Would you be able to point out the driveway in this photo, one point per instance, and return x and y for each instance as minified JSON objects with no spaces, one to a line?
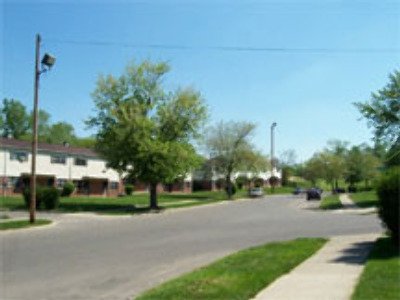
{"x":89,"y":257}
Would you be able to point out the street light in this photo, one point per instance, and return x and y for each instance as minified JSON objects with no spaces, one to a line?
{"x":272,"y":148}
{"x":47,"y":62}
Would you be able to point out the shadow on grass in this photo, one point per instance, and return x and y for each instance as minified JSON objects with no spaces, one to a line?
{"x":106,"y":208}
{"x":366,"y":203}
{"x":384,"y":249}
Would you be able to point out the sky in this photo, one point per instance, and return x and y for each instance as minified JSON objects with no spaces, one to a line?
{"x":301,"y":64}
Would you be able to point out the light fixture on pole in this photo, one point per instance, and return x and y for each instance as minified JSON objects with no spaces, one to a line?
{"x":272,"y":148}
{"x":47,"y":62}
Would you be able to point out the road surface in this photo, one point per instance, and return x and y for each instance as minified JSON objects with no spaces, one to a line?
{"x":102,"y":257}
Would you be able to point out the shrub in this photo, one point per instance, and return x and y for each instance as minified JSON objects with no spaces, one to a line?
{"x":258,"y":182}
{"x":49,"y":196}
{"x":273,"y":181}
{"x":67,"y":189}
{"x":241,"y":181}
{"x":129,"y":189}
{"x":388,"y":190}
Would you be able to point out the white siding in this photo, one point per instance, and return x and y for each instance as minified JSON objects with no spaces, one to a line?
{"x":95,"y":168}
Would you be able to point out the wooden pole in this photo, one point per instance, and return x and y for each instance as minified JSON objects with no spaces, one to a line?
{"x":32,"y":207}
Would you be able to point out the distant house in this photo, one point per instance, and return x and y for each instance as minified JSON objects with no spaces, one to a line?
{"x":55,"y":165}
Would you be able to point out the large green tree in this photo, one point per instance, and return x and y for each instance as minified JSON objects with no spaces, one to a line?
{"x":61,"y":132}
{"x":143,"y":130}
{"x":228,"y":144}
{"x":15,"y":121}
{"x":383,"y":113}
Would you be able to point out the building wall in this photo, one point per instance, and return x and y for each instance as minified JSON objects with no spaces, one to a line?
{"x":11,"y":170}
{"x":95,"y":167}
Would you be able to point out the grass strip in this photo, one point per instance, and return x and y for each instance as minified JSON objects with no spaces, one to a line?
{"x":137,"y":203}
{"x":238,"y":276}
{"x":381,"y":276}
{"x":331,"y":202}
{"x":18,"y":224}
{"x":365,"y":199}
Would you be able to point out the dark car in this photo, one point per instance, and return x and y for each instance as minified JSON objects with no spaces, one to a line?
{"x":314,"y":193}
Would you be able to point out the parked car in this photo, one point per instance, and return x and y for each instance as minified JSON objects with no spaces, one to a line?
{"x":314,"y":193}
{"x":256,"y":192}
{"x":298,"y":191}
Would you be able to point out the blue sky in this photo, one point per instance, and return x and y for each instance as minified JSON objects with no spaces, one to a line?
{"x":308,"y":93}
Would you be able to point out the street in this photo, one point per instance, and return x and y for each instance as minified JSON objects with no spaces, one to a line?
{"x":104,"y":257}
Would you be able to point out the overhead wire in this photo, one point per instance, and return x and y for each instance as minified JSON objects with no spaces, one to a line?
{"x":226,"y":48}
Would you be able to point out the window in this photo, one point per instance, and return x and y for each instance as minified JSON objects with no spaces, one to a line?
{"x":58,"y":159}
{"x":80,"y":162}
{"x":19,"y":155}
{"x":114,"y":185}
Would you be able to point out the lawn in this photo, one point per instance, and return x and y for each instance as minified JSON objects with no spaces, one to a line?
{"x":279,"y":190}
{"x":381,"y":276}
{"x":331,"y":202}
{"x":136,"y":203}
{"x":365,"y":199}
{"x":17,"y":224}
{"x":238,"y":276}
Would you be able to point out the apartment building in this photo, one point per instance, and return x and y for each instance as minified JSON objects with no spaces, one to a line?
{"x":55,"y":165}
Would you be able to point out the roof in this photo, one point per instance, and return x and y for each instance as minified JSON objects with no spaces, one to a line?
{"x":44,"y":147}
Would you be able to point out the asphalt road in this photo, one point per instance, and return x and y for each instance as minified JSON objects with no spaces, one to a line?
{"x":91,"y":257}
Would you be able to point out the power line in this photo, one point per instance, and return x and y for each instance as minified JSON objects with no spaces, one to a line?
{"x":226,"y":48}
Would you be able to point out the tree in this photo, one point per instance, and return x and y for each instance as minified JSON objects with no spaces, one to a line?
{"x":313,"y":169}
{"x":383,"y":113}
{"x":43,"y":124}
{"x":336,"y":154}
{"x":15,"y":121}
{"x":229,"y":146}
{"x":287,"y":161}
{"x":61,"y":132}
{"x":354,"y":168}
{"x":143,"y":130}
{"x":85,"y":142}
{"x":383,"y":110}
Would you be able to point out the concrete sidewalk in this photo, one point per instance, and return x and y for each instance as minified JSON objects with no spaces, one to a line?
{"x":350,"y":206}
{"x":331,"y":273}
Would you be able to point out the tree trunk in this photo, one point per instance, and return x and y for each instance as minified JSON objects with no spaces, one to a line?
{"x":229,"y":186}
{"x":153,"y":196}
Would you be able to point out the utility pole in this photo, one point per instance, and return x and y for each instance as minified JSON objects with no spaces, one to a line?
{"x":32,"y":207}
{"x":272,"y":148}
{"x":47,"y":62}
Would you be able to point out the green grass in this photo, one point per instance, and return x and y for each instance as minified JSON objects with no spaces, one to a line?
{"x":381,"y":276}
{"x":137,"y":203}
{"x":365,"y":199}
{"x":18,"y":224}
{"x":279,"y":190}
{"x":331,"y":202}
{"x":238,"y":276}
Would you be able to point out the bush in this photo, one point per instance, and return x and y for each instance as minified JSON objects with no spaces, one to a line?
{"x":273,"y":181}
{"x":241,"y":181}
{"x":258,"y":182}
{"x":388,"y":190}
{"x":129,"y":189}
{"x":67,"y":189}
{"x":49,"y":196}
